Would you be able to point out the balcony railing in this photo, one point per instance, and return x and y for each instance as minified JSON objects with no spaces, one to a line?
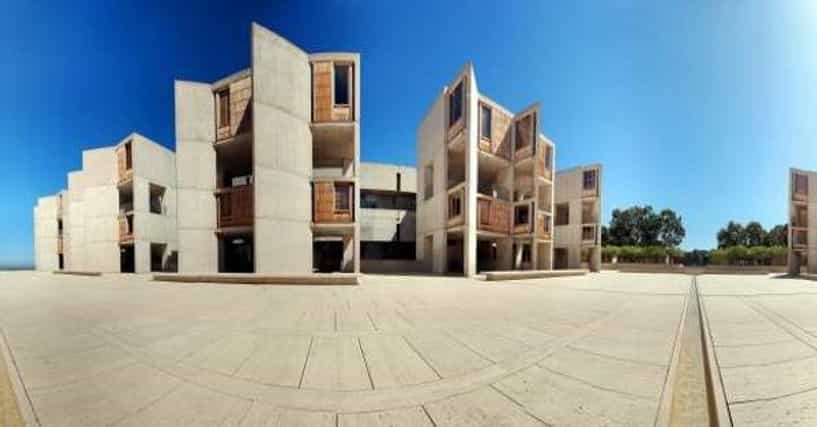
{"x":126,"y":227}
{"x":333,"y":203}
{"x":589,"y":234}
{"x":799,"y":238}
{"x":543,"y":227}
{"x":493,"y":214}
{"x":235,"y":206}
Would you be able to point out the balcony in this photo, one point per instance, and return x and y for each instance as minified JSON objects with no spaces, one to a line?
{"x":589,"y":213}
{"x":455,"y":207}
{"x":333,"y":88}
{"x":493,"y":214}
{"x":235,"y":206}
{"x":799,"y":238}
{"x":543,"y":230}
{"x":799,"y":188}
{"x":126,"y":228}
{"x":544,"y":161}
{"x":333,"y":203}
{"x":799,"y":218}
{"x":124,"y":162}
{"x":522,"y":220}
{"x":589,"y":234}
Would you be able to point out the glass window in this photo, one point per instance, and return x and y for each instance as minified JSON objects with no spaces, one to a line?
{"x":589,"y":179}
{"x":562,"y":214}
{"x":224,"y":108}
{"x":485,"y":122}
{"x":342,"y":86}
{"x":428,"y":182}
{"x":342,"y":197}
{"x":455,"y":105}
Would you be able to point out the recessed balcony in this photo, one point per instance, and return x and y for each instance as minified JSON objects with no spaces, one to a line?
{"x":234,"y":206}
{"x":493,"y":215}
{"x":333,"y":203}
{"x":126,"y":227}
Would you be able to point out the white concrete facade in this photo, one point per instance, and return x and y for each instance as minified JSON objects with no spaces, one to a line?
{"x":255,"y":154}
{"x":92,"y":215}
{"x":485,"y":184}
{"x":48,"y":233}
{"x":387,"y":218}
{"x":802,"y":221}
{"x":577,"y":226}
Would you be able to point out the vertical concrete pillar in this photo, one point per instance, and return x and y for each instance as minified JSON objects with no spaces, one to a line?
{"x":196,"y":178}
{"x":282,"y":154}
{"x":471,"y":173}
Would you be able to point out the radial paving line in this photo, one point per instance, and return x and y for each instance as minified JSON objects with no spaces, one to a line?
{"x":691,"y":398}
{"x":10,"y":412}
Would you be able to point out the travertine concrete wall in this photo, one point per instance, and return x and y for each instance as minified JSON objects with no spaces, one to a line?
{"x":196,"y":178}
{"x":74,"y":225}
{"x":431,"y":213}
{"x":471,"y":171}
{"x":811,"y":204}
{"x":282,"y":154}
{"x":101,"y":210}
{"x":381,"y":224}
{"x":46,"y":234}
{"x":383,"y":177}
{"x":153,"y":164}
{"x":568,"y":186}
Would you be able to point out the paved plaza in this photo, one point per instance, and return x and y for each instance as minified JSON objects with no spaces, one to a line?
{"x":400,"y":351}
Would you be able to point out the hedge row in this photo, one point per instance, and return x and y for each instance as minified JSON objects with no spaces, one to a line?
{"x":736,"y":255}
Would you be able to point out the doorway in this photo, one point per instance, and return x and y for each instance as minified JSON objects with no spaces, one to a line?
{"x":127,"y":261}
{"x":560,"y":259}
{"x":327,"y":256}
{"x":237,"y":254}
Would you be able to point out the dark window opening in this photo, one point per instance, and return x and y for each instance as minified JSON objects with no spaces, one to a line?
{"x":589,"y":179}
{"x":455,"y":105}
{"x":128,"y":156}
{"x":157,"y":197}
{"x":388,"y":250}
{"x":342,"y":86}
{"x":801,"y":184}
{"x":485,"y":122}
{"x":237,"y":254}
{"x":61,"y":261}
{"x":59,"y":226}
{"x":398,"y":181}
{"x":521,"y":215}
{"x":562,"y":214}
{"x":342,"y":197}
{"x":126,"y":259}
{"x":224,"y":108}
{"x":157,"y":257}
{"x":327,"y":256}
{"x":428,"y":182}
{"x":454,"y":206}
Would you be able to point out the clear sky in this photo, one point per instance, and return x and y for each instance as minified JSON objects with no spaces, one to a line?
{"x":699,"y":106}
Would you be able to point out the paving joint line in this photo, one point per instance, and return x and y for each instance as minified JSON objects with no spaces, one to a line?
{"x":520,"y":405}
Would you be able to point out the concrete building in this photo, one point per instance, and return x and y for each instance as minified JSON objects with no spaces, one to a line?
{"x":48,"y":233}
{"x":387,"y":218}
{"x":268,"y":164}
{"x":802,"y":221}
{"x":117,"y":215}
{"x":577,"y":221}
{"x":485,"y":184}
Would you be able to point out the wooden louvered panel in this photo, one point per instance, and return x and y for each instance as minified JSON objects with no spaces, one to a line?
{"x":235,"y":206}
{"x":322,"y":91}
{"x":325,"y":209}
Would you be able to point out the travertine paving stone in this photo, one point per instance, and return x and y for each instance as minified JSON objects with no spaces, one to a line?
{"x":336,"y":363}
{"x":392,"y":351}
{"x":404,"y":417}
{"x":769,"y":372}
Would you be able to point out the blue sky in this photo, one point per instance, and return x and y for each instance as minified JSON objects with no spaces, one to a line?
{"x":698,"y":106}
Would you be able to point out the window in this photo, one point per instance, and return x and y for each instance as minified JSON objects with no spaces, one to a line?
{"x":589,"y":179}
{"x":521,"y":215}
{"x":224,"y":108}
{"x":548,"y":157}
{"x":398,"y":181}
{"x":800,"y":184}
{"x":157,"y":195}
{"x":428,"y":182}
{"x":485,"y":121}
{"x":128,"y":156}
{"x":562,"y":214}
{"x":342,"y":197}
{"x":589,"y":233}
{"x":342,"y":86}
{"x":454,"y":206}
{"x":455,"y":105}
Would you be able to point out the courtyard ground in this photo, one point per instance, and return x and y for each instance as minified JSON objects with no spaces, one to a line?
{"x":424,"y":351}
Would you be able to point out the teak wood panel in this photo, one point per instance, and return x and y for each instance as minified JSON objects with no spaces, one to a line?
{"x":494,"y":215}
{"x":543,"y":226}
{"x":235,"y":206}
{"x":125,"y":228}
{"x":500,"y":141}
{"x":123,"y":171}
{"x":323,"y":102}
{"x":240,"y":95}
{"x":324,"y":203}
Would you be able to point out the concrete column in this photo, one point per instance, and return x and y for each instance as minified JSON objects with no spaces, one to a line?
{"x":196,"y":178}
{"x":471,"y":173}
{"x":282,"y":154}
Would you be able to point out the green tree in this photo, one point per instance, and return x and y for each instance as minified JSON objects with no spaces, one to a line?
{"x":672,"y":228}
{"x":731,"y":235}
{"x":754,"y":234}
{"x":778,"y":236}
